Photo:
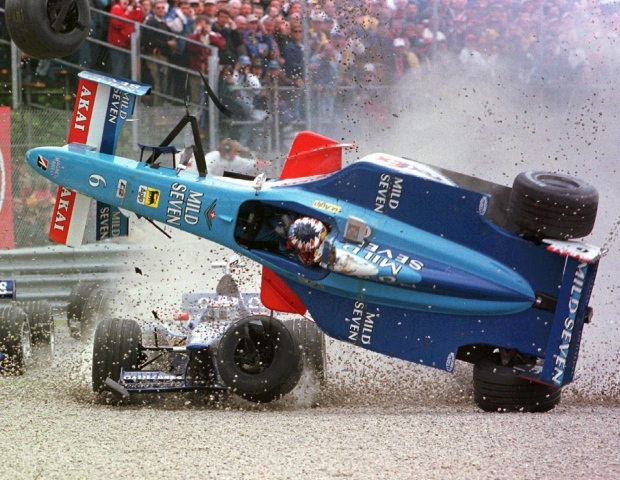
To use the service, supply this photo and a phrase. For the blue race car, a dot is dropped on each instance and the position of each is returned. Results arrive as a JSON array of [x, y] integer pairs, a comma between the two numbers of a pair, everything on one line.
[[390, 254]]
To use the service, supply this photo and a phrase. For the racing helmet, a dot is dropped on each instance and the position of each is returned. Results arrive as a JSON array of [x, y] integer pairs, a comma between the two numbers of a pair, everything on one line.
[[306, 235]]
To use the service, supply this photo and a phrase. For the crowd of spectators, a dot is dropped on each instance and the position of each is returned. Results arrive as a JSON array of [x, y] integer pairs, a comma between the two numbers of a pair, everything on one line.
[[351, 45], [356, 43], [390, 38]]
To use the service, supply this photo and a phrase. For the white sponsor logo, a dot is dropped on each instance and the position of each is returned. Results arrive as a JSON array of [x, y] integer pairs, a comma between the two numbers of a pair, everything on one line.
[[121, 188]]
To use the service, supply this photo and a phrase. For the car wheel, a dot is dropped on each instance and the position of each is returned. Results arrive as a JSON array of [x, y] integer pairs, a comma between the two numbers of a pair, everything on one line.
[[117, 345], [499, 388], [95, 308], [48, 28], [15, 342], [552, 205], [259, 359], [80, 293], [41, 321], [312, 341]]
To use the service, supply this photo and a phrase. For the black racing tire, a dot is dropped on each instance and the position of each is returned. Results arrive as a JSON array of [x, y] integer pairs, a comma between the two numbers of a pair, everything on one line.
[[259, 359], [499, 388], [15, 341], [312, 341], [117, 344], [552, 205], [95, 308], [80, 293], [41, 319], [48, 28]]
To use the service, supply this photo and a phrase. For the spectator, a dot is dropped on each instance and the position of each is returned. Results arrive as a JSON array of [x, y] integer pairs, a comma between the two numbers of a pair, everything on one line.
[[255, 81], [381, 50], [318, 37], [180, 56], [258, 45], [147, 8], [282, 35], [199, 55], [251, 37], [171, 11], [229, 95], [329, 7], [245, 83], [325, 77], [226, 27], [457, 31], [400, 9], [258, 10], [411, 12], [275, 79], [90, 54], [268, 25], [272, 12], [210, 10], [294, 56], [234, 8], [404, 61], [246, 9], [473, 61], [294, 8], [158, 45], [242, 23], [294, 68], [120, 29], [198, 8]]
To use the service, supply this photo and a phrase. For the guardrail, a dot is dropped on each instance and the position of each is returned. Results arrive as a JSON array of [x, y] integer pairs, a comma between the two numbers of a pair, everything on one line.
[[49, 273]]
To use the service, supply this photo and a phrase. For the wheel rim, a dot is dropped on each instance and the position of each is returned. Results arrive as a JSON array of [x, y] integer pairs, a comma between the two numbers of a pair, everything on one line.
[[52, 339], [254, 353], [64, 15], [26, 341]]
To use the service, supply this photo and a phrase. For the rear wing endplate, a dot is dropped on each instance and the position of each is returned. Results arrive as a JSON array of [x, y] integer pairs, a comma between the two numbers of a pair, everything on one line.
[[103, 103], [571, 313]]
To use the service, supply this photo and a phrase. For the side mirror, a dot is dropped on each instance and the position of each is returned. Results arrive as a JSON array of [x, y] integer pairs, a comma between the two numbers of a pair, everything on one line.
[[258, 182]]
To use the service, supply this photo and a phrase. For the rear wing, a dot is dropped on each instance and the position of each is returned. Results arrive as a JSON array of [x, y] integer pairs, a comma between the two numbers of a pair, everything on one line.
[[102, 105], [571, 313], [313, 154]]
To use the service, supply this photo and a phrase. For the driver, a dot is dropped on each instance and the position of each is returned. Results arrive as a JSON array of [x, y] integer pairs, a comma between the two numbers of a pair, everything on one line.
[[305, 237]]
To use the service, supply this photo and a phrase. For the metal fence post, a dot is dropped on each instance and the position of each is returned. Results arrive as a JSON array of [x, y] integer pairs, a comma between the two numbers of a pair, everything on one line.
[[16, 82], [136, 75], [214, 63], [276, 114]]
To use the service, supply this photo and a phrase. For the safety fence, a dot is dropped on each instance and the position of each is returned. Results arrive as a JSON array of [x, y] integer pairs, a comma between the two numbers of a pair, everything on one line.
[[49, 273]]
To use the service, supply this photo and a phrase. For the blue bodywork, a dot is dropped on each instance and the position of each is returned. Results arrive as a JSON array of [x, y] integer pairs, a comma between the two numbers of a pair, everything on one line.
[[448, 278], [419, 263]]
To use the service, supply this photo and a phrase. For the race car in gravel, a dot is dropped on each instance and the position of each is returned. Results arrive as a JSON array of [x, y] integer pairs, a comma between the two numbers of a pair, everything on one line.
[[225, 341], [26, 329], [387, 253]]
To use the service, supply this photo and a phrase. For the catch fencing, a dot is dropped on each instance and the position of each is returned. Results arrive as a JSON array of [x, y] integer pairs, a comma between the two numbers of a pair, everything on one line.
[[49, 273]]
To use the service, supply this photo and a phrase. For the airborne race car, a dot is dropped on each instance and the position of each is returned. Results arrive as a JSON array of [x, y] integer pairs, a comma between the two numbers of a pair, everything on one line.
[[414, 262], [223, 341], [25, 328]]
